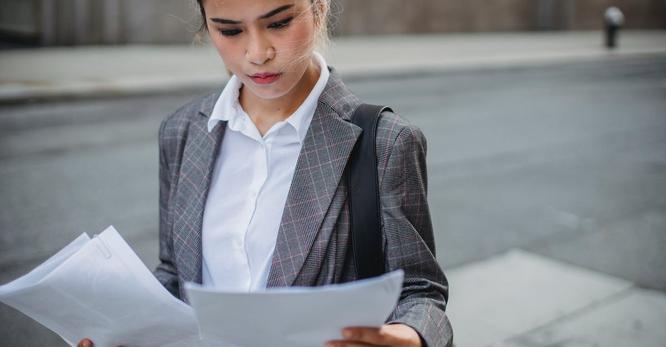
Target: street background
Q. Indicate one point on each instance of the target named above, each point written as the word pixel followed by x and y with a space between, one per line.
pixel 546 162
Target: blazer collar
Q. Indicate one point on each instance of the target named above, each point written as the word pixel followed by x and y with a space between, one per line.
pixel 320 166
pixel 208 103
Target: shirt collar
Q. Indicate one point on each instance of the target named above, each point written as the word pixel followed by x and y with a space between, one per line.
pixel 227 108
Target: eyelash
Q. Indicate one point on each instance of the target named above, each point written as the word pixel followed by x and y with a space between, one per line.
pixel 275 26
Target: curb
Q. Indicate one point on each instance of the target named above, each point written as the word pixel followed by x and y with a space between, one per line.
pixel 76 90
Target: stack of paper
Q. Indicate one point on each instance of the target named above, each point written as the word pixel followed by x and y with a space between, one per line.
pixel 99 289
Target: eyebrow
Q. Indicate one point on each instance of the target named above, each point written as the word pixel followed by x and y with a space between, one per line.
pixel 263 16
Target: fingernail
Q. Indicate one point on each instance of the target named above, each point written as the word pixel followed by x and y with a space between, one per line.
pixel 348 334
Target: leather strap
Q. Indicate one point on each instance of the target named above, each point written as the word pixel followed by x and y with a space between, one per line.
pixel 363 197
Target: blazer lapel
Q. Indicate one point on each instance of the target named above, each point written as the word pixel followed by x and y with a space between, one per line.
pixel 198 160
pixel 321 162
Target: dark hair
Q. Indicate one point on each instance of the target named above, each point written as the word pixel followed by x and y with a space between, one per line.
pixel 202 12
pixel 320 13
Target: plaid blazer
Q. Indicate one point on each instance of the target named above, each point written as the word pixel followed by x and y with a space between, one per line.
pixel 313 244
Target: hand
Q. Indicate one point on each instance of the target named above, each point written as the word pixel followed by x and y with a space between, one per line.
pixel 394 335
pixel 87 343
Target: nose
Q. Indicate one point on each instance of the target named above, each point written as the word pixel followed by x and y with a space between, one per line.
pixel 259 49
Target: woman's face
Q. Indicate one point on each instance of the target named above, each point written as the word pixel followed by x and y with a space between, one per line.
pixel 267 44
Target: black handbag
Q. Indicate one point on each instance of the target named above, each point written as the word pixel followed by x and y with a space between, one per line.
pixel 363 195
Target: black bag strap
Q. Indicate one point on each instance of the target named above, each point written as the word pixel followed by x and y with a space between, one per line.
pixel 363 195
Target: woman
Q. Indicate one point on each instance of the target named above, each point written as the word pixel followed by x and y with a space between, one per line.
pixel 250 188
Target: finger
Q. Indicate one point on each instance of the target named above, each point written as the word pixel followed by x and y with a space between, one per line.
pixel 85 343
pixel 344 343
pixel 372 336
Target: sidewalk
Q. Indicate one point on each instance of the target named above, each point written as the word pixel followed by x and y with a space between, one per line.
pixel 51 73
pixel 520 299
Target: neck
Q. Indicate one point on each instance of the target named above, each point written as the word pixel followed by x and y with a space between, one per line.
pixel 264 113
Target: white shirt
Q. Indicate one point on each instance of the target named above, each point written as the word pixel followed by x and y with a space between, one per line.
pixel 249 188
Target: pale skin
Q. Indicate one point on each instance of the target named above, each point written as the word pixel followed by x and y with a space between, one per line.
pixel 278 36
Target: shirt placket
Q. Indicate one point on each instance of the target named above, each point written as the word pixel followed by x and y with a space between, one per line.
pixel 260 174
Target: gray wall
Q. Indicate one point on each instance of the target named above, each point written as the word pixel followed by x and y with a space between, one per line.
pixel 70 22
pixel 80 22
pixel 425 16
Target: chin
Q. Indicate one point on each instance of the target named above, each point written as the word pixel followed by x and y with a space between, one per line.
pixel 269 92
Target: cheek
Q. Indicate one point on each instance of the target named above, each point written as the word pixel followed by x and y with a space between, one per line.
pixel 227 51
pixel 301 38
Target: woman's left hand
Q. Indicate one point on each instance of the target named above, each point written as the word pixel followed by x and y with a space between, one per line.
pixel 394 335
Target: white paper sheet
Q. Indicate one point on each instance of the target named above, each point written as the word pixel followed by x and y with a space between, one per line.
pixel 98 288
pixel 291 316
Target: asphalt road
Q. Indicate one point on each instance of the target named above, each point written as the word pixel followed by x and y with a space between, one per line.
pixel 565 160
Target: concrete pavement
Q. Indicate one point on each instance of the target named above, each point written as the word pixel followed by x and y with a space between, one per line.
pixel 50 73
pixel 520 299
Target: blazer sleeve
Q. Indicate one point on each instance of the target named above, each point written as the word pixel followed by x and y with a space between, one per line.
pixel 409 241
pixel 166 271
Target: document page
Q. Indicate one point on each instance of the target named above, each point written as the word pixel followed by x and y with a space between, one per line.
pixel 292 316
pixel 98 288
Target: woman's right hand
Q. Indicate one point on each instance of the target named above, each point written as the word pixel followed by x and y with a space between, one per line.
pixel 85 343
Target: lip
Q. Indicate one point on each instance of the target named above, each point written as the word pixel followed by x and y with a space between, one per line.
pixel 265 77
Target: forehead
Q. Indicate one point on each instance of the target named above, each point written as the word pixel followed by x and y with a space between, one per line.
pixel 247 9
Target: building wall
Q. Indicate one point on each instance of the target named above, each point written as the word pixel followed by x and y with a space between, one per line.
pixel 80 22
pixel 19 18
pixel 424 16
pixel 77 22
pixel 639 14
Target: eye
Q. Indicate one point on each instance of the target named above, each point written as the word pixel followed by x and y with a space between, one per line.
pixel 281 24
pixel 229 32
